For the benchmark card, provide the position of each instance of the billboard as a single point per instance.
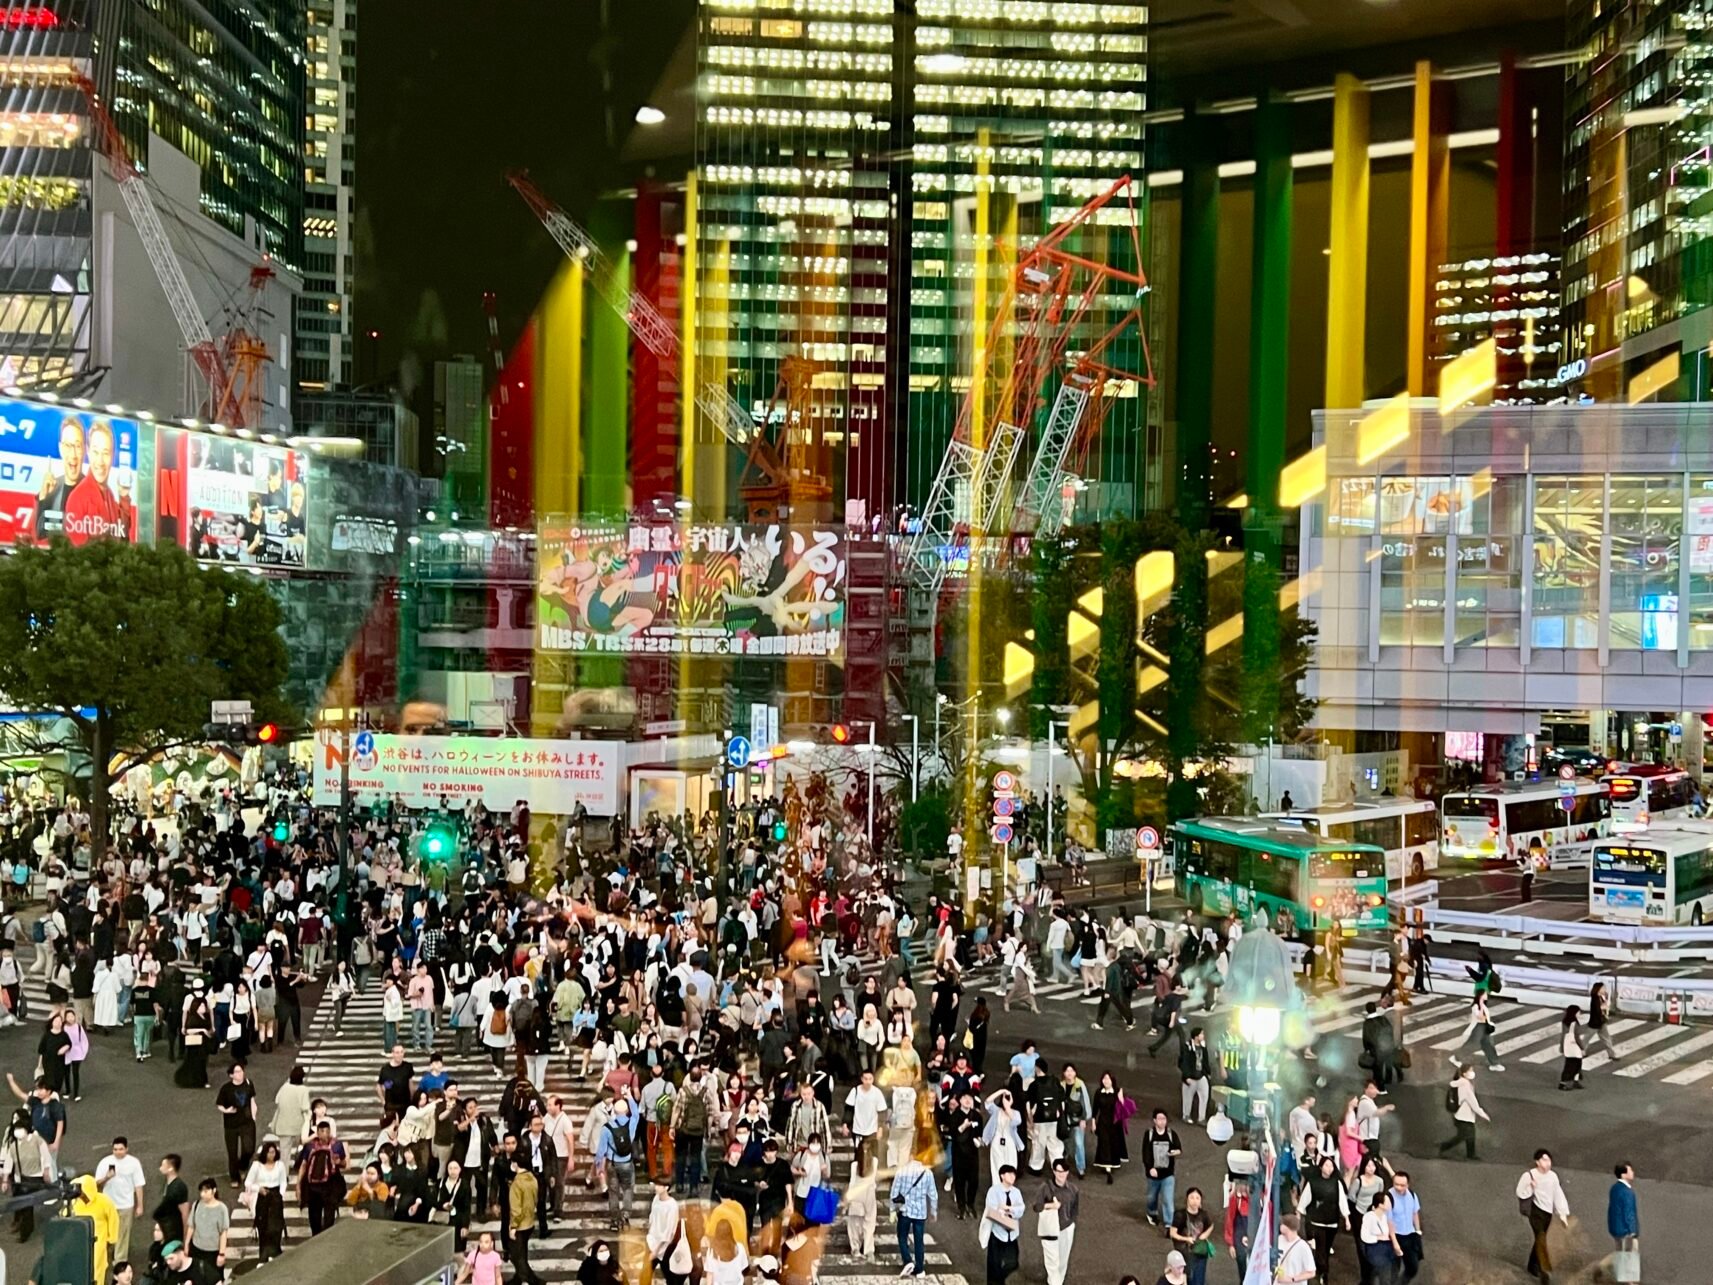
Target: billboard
(238, 502)
(68, 472)
(364, 514)
(665, 589)
(553, 777)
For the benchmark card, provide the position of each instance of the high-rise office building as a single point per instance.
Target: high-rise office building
(461, 436)
(223, 82)
(1638, 205)
(220, 83)
(840, 230)
(46, 220)
(325, 348)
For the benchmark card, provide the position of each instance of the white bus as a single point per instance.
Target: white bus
(1647, 795)
(1407, 829)
(1501, 822)
(1664, 876)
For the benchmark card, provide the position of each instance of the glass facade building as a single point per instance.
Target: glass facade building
(324, 326)
(1510, 562)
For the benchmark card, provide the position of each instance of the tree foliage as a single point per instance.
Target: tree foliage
(130, 643)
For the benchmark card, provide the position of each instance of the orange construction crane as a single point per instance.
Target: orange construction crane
(778, 479)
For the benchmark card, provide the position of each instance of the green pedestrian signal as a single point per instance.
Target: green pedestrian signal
(437, 842)
(779, 832)
(282, 832)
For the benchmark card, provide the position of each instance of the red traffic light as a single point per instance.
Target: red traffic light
(268, 733)
(841, 734)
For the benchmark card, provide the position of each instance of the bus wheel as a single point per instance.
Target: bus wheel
(1695, 917)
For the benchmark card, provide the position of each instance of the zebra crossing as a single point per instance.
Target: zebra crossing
(341, 1069)
(1529, 1036)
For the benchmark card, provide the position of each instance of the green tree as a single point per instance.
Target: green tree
(130, 643)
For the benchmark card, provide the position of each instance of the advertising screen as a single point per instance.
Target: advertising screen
(238, 502)
(658, 588)
(67, 472)
(364, 514)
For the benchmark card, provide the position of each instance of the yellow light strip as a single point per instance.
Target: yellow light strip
(1302, 479)
(1379, 431)
(1468, 377)
(1662, 374)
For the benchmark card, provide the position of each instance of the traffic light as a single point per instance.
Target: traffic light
(245, 733)
(779, 832)
(282, 831)
(841, 733)
(438, 842)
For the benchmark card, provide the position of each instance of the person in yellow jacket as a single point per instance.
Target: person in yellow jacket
(92, 1204)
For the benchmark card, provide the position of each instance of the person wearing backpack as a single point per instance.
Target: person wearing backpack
(689, 1130)
(615, 1156)
(659, 1099)
(1464, 1109)
(321, 1178)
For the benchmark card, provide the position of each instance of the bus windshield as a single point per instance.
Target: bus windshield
(1455, 805)
(1629, 865)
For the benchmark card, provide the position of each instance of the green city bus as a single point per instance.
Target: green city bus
(1245, 864)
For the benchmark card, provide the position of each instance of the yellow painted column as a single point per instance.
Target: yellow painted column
(978, 293)
(559, 393)
(1347, 268)
(1430, 191)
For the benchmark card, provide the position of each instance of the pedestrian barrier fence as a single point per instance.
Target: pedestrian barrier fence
(1617, 943)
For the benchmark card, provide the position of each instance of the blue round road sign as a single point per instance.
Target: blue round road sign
(737, 751)
(1002, 833)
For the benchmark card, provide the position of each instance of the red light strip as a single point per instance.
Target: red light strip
(29, 15)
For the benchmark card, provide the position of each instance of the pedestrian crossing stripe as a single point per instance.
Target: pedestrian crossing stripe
(341, 1070)
(1443, 1020)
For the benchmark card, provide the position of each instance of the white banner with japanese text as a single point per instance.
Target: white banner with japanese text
(552, 777)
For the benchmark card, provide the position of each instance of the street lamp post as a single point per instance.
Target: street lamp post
(1052, 747)
(871, 787)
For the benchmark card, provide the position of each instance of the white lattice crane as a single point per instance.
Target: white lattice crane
(198, 340)
(652, 330)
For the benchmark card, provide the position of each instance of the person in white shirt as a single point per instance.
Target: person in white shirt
(121, 1179)
(866, 1104)
(668, 1242)
(1296, 1256)
(1467, 1113)
(1303, 1123)
(556, 1124)
(1540, 1186)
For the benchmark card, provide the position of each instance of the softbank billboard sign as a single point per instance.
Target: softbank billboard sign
(551, 776)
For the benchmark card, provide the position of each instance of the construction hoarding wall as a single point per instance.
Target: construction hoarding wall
(677, 589)
(552, 777)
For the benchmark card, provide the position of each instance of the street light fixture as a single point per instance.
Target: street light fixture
(915, 756)
(1003, 716)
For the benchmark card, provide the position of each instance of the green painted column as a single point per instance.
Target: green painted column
(1198, 270)
(1269, 380)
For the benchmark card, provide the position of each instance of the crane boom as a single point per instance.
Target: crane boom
(168, 271)
(652, 330)
(1051, 298)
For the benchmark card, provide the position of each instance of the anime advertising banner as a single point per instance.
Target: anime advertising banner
(68, 472)
(665, 589)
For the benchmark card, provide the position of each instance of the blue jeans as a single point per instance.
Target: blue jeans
(907, 1228)
(1075, 1144)
(389, 1036)
(1160, 1198)
(1195, 1270)
(422, 1028)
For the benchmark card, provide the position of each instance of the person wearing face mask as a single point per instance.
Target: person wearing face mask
(28, 1163)
(600, 1266)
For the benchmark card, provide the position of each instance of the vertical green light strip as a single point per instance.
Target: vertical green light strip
(606, 412)
(1269, 379)
(1198, 271)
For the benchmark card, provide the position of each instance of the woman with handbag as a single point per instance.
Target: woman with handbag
(1479, 1032)
(1192, 1236)
(198, 1030)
